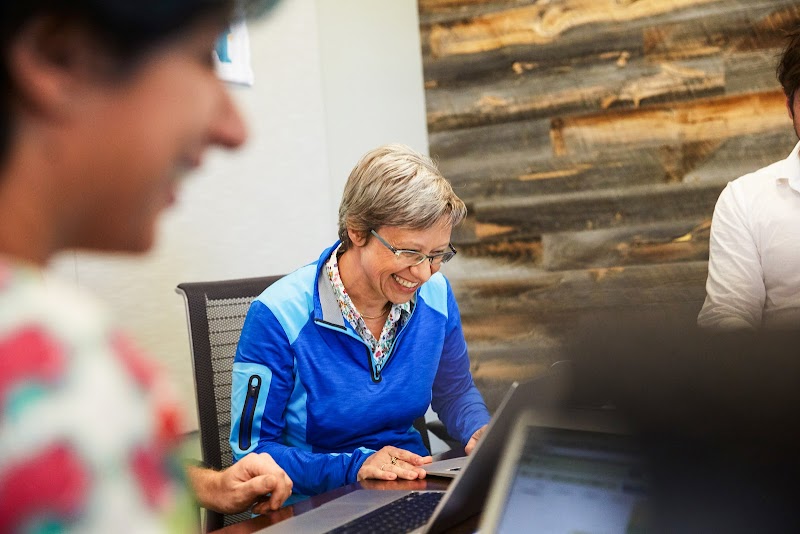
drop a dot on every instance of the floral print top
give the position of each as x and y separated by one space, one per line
88 428
398 315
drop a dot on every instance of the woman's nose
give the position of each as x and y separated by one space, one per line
422 271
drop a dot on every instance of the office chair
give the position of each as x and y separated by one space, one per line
215 313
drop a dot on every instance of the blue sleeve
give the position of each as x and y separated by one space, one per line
265 392
456 400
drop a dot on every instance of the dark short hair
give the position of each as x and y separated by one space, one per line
126 29
788 70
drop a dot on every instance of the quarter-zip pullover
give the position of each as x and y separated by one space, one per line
305 389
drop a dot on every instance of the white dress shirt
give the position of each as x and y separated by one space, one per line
754 253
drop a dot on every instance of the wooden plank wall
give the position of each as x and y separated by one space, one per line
590 140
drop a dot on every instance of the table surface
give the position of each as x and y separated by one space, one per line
428 483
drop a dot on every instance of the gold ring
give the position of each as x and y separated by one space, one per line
394 460
382 466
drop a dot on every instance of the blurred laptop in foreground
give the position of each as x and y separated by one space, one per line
716 416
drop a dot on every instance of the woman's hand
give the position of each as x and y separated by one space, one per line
391 463
473 441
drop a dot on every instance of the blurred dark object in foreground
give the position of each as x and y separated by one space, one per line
718 415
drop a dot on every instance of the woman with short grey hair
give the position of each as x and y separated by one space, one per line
337 359
395 186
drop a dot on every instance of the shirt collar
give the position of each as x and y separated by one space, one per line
790 169
331 269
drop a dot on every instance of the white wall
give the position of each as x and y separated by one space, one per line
333 78
372 80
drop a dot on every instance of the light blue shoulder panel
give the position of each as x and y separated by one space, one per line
434 293
290 299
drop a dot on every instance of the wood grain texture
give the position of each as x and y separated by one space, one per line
599 86
704 120
590 140
716 28
660 242
542 23
582 290
540 214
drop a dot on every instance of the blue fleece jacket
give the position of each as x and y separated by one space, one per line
305 390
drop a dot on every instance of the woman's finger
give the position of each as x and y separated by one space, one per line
410 457
405 470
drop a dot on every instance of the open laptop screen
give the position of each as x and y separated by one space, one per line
568 481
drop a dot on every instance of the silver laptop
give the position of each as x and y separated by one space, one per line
464 498
449 468
565 472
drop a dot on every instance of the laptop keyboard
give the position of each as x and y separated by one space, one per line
400 516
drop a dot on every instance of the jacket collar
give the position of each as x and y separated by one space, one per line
326 307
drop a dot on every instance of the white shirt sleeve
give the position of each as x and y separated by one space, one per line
735 290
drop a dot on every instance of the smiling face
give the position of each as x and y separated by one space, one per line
373 275
140 135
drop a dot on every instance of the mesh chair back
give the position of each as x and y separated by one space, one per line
215 312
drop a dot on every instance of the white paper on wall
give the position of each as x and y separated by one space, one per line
232 54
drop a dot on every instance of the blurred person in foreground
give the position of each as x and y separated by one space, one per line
754 260
337 359
106 104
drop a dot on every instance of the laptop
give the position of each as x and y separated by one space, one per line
565 472
452 467
449 468
437 510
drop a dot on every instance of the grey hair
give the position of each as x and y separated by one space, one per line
393 185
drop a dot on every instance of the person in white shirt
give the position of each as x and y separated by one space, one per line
754 252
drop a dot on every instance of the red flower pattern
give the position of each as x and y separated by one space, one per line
29 354
149 468
52 484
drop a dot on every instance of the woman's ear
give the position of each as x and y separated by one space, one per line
50 63
358 239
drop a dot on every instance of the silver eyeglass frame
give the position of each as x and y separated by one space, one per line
449 255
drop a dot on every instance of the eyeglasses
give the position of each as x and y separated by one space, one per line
411 258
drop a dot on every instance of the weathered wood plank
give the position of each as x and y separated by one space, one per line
475 47
662 242
525 250
542 23
602 85
609 45
443 11
704 120
655 243
741 155
480 168
751 72
531 136
533 216
571 173
522 151
482 175
742 29
586 291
